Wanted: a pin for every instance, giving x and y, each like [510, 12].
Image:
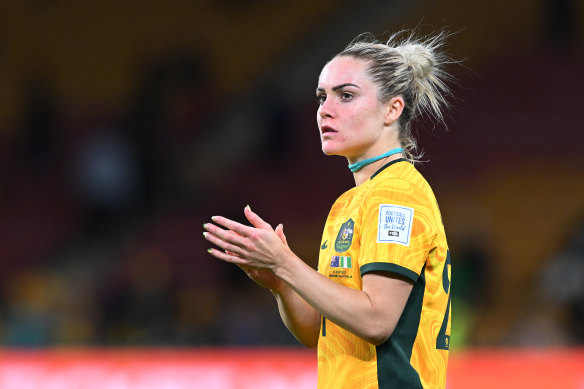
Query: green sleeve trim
[389, 267]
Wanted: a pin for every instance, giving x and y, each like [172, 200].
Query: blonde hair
[412, 68]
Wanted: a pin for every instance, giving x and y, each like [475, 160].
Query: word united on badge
[341, 262]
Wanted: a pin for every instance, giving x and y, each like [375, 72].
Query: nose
[325, 109]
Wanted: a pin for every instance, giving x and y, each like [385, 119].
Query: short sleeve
[397, 229]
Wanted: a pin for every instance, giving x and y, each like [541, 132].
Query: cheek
[370, 117]
[359, 122]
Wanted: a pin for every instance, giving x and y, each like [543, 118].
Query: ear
[394, 108]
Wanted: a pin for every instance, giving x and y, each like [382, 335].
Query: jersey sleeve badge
[395, 224]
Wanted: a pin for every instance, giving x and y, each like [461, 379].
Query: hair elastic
[355, 167]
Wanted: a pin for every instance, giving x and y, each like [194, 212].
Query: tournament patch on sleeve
[395, 224]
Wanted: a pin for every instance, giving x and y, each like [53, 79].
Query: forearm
[302, 320]
[349, 308]
[370, 313]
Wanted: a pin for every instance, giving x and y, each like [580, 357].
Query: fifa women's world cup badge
[345, 236]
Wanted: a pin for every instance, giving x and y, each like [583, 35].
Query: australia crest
[345, 236]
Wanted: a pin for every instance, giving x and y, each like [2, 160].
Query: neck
[367, 170]
[355, 167]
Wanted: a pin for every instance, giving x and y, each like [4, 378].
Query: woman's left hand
[256, 247]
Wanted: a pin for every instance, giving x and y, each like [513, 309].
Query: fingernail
[205, 234]
[248, 207]
[213, 218]
[209, 250]
[205, 225]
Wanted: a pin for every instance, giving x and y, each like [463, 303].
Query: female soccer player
[378, 308]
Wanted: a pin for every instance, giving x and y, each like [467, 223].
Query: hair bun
[418, 57]
[411, 67]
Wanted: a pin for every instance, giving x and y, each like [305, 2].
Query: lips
[327, 130]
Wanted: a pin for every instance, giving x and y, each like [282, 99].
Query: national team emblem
[345, 236]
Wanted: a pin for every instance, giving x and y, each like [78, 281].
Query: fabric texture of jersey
[391, 223]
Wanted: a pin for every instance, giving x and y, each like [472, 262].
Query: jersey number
[443, 340]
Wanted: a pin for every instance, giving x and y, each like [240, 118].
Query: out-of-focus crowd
[101, 209]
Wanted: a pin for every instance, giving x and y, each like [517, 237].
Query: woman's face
[350, 116]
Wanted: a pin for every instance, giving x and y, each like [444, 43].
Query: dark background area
[124, 126]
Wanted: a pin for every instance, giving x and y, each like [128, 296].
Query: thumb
[255, 220]
[280, 233]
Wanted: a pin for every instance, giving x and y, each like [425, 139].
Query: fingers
[241, 229]
[226, 235]
[255, 220]
[241, 243]
[232, 243]
[227, 258]
[280, 232]
[231, 253]
[228, 248]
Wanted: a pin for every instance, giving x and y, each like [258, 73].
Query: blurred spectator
[471, 281]
[174, 99]
[562, 284]
[100, 222]
[105, 177]
[30, 312]
[39, 132]
[560, 23]
[137, 306]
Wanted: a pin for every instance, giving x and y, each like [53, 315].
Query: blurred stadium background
[124, 126]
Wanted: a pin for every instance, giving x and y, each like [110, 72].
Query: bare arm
[302, 320]
[371, 313]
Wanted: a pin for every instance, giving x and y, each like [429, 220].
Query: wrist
[282, 268]
[282, 287]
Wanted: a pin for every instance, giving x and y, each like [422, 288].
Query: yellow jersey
[391, 223]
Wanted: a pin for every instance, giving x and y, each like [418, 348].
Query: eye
[320, 98]
[346, 96]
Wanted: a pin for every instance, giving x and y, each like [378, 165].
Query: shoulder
[346, 196]
[399, 180]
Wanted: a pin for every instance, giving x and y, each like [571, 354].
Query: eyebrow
[337, 87]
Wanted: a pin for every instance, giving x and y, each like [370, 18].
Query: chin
[326, 152]
[329, 149]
